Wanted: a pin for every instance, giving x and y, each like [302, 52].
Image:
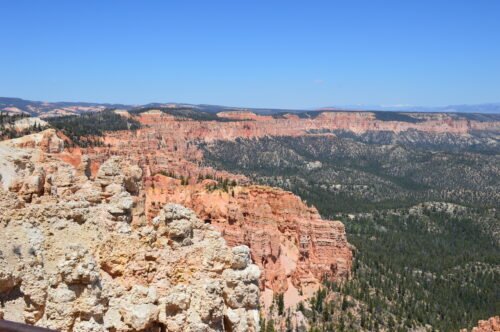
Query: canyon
[297, 248]
[168, 142]
[156, 229]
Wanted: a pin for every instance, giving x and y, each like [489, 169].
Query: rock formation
[490, 325]
[290, 242]
[46, 141]
[78, 255]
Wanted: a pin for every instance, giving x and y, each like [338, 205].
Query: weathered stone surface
[46, 141]
[75, 259]
[8, 278]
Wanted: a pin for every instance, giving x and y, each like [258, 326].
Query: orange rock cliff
[289, 241]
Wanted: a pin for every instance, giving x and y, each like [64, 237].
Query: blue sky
[287, 54]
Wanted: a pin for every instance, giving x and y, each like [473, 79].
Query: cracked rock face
[77, 254]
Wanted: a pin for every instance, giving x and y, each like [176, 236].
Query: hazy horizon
[492, 107]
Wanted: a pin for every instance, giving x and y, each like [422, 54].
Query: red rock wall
[288, 240]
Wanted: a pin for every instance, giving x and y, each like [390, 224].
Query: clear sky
[288, 54]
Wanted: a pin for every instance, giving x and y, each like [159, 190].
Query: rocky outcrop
[78, 255]
[46, 141]
[291, 244]
[490, 325]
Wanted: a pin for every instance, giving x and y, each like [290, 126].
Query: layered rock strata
[169, 143]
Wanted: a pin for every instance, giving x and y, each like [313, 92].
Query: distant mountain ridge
[486, 108]
[50, 109]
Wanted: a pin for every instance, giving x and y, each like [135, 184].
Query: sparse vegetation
[223, 184]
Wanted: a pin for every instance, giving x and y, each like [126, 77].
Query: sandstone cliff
[76, 255]
[289, 241]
